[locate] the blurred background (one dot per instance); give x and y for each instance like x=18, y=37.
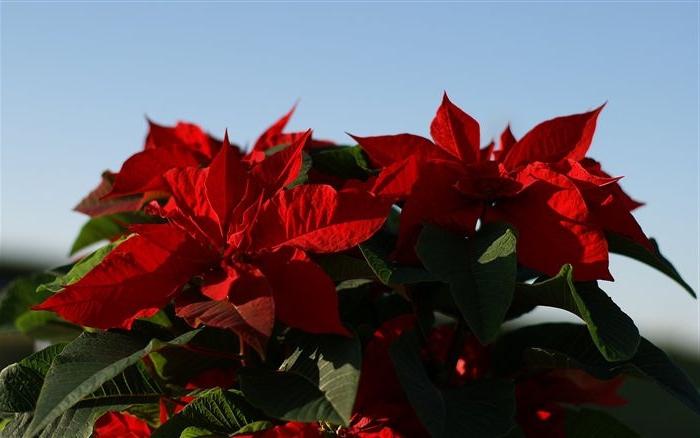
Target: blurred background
x=78, y=79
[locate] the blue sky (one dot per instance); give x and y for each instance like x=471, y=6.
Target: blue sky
x=78, y=78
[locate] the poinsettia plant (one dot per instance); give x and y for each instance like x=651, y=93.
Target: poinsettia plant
x=307, y=289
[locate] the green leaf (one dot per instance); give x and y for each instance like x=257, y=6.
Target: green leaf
x=216, y=410
x=563, y=345
x=612, y=331
x=347, y=162
x=20, y=383
x=199, y=432
x=84, y=366
x=480, y=409
x=318, y=382
x=303, y=175
x=108, y=227
x=79, y=269
x=626, y=247
x=40, y=324
x=376, y=253
x=18, y=296
x=255, y=426
x=20, y=386
x=480, y=271
x=342, y=267
x=590, y=423
x=74, y=423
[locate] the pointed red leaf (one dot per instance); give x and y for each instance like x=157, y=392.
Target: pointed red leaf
x=270, y=137
x=318, y=218
x=385, y=150
x=506, y=142
x=225, y=184
x=305, y=297
x=189, y=205
x=555, y=227
x=281, y=168
x=143, y=171
x=186, y=135
x=93, y=205
x=555, y=140
x=241, y=301
x=135, y=280
x=456, y=131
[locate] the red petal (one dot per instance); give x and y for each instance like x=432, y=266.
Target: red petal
x=554, y=140
x=282, y=168
x=269, y=138
x=136, y=279
x=305, y=296
x=93, y=205
x=187, y=135
x=226, y=184
x=120, y=425
x=554, y=228
x=608, y=204
x=456, y=131
x=318, y=218
x=435, y=200
x=593, y=167
x=386, y=150
x=143, y=171
x=189, y=205
x=242, y=302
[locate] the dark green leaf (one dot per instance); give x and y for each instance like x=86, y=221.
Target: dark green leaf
x=78, y=270
x=347, y=162
x=46, y=325
x=20, y=386
x=87, y=365
x=481, y=272
x=216, y=410
x=318, y=382
x=621, y=245
x=21, y=382
x=303, y=175
x=480, y=409
x=613, y=332
x=590, y=423
x=376, y=252
x=341, y=267
x=18, y=296
x=563, y=345
x=108, y=227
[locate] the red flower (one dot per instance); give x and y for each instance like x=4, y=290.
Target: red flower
x=165, y=148
x=234, y=227
x=120, y=425
x=561, y=203
x=275, y=136
x=541, y=399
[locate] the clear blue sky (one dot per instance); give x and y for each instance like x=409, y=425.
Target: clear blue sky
x=77, y=79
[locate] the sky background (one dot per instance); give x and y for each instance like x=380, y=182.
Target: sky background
x=78, y=78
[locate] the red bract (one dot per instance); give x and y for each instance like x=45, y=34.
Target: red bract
x=120, y=425
x=246, y=239
x=165, y=148
x=275, y=136
x=561, y=203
